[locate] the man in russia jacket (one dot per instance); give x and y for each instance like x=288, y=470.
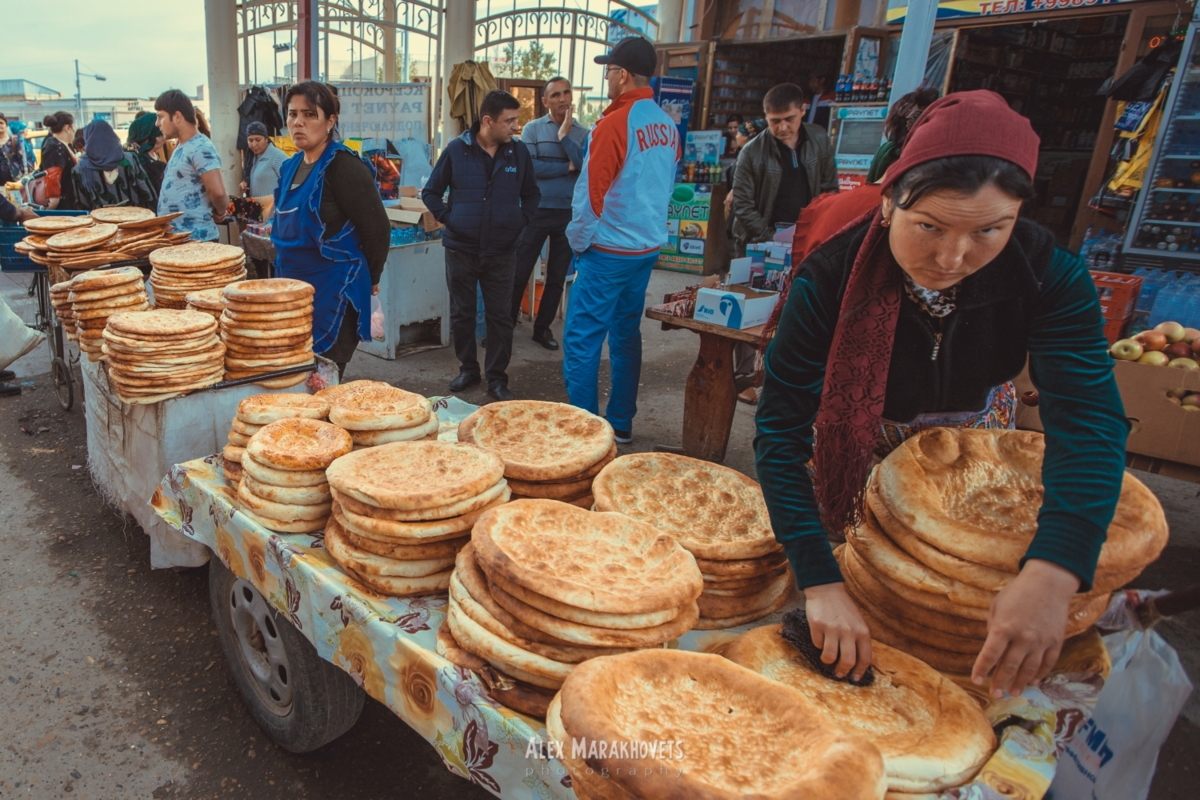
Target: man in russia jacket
x=619, y=224
x=493, y=196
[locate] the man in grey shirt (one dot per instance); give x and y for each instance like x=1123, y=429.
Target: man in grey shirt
x=555, y=142
x=268, y=159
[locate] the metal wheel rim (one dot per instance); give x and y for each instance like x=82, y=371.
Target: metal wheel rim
x=260, y=648
x=63, y=389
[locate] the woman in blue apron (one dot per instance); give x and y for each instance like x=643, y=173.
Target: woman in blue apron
x=330, y=229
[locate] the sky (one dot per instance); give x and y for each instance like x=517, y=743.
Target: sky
x=142, y=51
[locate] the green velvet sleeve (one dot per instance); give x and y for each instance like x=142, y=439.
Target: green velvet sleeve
x=1083, y=417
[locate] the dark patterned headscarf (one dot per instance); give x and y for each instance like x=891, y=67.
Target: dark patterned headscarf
x=143, y=134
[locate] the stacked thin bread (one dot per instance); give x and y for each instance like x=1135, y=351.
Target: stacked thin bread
x=283, y=485
x=932, y=734
x=258, y=410
x=719, y=516
x=192, y=267
x=382, y=414
x=108, y=236
x=156, y=355
x=60, y=298
x=208, y=301
x=546, y=586
x=332, y=393
x=701, y=726
x=97, y=295
x=551, y=451
x=402, y=511
x=950, y=513
x=267, y=326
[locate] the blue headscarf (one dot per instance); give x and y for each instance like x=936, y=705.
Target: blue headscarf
x=102, y=153
x=16, y=126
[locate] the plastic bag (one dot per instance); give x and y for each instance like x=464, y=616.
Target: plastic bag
x=1112, y=756
x=377, y=321
x=16, y=338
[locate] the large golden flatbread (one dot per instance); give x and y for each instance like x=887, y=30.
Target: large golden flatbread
x=542, y=441
x=402, y=587
x=283, y=526
x=719, y=607
x=713, y=511
x=82, y=238
x=587, y=783
x=94, y=280
x=931, y=733
x=195, y=254
x=299, y=444
x=401, y=533
x=266, y=307
x=720, y=623
x=501, y=654
x=740, y=734
x=741, y=568
x=598, y=562
x=410, y=434
x=269, y=290
x=583, y=616
x=51, y=225
x=149, y=324
x=266, y=316
x=410, y=476
x=121, y=214
x=261, y=409
x=517, y=695
x=366, y=563
x=296, y=495
x=375, y=408
x=332, y=393
x=976, y=494
x=446, y=548
x=493, y=495
x=278, y=477
x=281, y=511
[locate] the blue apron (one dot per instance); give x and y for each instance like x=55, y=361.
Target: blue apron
x=335, y=267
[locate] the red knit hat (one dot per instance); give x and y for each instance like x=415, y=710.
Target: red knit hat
x=978, y=123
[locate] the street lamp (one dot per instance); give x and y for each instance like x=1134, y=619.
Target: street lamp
x=79, y=94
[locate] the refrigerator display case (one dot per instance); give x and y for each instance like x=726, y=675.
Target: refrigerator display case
x=1165, y=229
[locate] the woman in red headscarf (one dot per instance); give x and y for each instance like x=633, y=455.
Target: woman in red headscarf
x=921, y=313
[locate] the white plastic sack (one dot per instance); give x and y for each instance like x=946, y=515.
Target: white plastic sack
x=1113, y=755
x=378, y=327
x=16, y=338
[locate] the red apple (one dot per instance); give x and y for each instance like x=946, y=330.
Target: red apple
x=1191, y=401
x=1190, y=335
x=1183, y=363
x=1175, y=400
x=1127, y=350
x=1151, y=340
x=1196, y=347
x=1178, y=350
x=1178, y=393
x=1172, y=330
x=1154, y=358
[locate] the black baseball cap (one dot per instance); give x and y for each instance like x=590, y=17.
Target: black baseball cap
x=634, y=54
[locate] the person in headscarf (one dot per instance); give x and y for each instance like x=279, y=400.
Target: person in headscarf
x=108, y=176
x=263, y=174
x=920, y=314
x=13, y=165
x=144, y=143
x=17, y=128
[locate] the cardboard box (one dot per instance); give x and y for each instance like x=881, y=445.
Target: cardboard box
x=737, y=307
x=418, y=213
x=1160, y=429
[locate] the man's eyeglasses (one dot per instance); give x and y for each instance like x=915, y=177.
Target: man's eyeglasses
x=611, y=69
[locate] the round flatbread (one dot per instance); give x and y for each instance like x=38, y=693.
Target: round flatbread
x=374, y=408
x=721, y=623
x=159, y=322
x=715, y=512
x=82, y=238
x=366, y=563
x=303, y=323
x=403, y=587
x=714, y=606
x=261, y=409
x=375, y=438
x=245, y=428
x=288, y=495
x=302, y=330
x=94, y=280
x=501, y=654
x=798, y=754
x=552, y=491
x=498, y=491
x=267, y=308
x=250, y=317
x=741, y=568
x=283, y=526
x=521, y=697
x=405, y=552
x=403, y=532
x=932, y=734
x=583, y=616
x=121, y=214
x=270, y=290
x=255, y=345
x=541, y=441
x=411, y=476
x=602, y=562
x=286, y=512
x=277, y=477
x=332, y=393
x=195, y=254
x=299, y=444
x=268, y=364
x=51, y=225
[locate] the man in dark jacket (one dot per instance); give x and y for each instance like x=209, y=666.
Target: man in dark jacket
x=493, y=196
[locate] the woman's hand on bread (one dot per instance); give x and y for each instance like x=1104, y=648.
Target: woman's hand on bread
x=838, y=629
x=1026, y=624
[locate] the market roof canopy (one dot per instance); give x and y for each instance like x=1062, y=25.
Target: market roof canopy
x=953, y=9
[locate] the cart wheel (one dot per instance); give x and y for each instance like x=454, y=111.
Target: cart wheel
x=64, y=384
x=299, y=700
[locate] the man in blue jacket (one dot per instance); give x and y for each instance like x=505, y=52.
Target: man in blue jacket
x=555, y=143
x=493, y=196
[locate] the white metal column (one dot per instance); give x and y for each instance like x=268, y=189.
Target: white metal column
x=458, y=45
x=220, y=31
x=915, y=36
x=670, y=20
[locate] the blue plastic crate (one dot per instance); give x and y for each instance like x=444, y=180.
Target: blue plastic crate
x=13, y=232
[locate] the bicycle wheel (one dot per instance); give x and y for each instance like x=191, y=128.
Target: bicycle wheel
x=64, y=384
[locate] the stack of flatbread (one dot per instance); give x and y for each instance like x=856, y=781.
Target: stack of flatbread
x=699, y=725
x=97, y=295
x=192, y=267
x=332, y=393
x=283, y=486
x=950, y=514
x=60, y=298
x=258, y=410
x=209, y=301
x=267, y=326
x=156, y=355
x=719, y=516
x=551, y=451
x=382, y=414
x=403, y=510
x=931, y=733
x=107, y=236
x=545, y=586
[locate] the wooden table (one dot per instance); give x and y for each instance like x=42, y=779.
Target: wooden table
x=710, y=396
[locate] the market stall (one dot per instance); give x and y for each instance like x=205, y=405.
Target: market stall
x=390, y=646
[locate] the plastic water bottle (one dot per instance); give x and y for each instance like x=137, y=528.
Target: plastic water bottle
x=1153, y=281
x=1190, y=317
x=1164, y=303
x=1181, y=301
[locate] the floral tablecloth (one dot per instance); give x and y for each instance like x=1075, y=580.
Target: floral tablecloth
x=388, y=646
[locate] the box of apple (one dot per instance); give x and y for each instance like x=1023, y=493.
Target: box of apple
x=1169, y=344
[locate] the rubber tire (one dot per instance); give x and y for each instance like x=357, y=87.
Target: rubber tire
x=326, y=702
x=64, y=383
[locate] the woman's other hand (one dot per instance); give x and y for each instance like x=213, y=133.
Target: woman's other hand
x=375, y=290
x=838, y=629
x=1025, y=628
